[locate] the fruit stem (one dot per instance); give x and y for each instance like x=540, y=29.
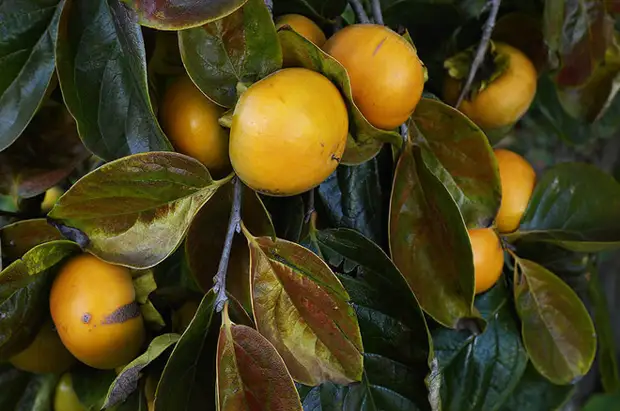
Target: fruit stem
x=481, y=51
x=376, y=12
x=359, y=11
x=233, y=226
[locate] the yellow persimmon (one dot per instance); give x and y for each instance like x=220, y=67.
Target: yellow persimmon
x=65, y=398
x=488, y=257
x=518, y=180
x=387, y=77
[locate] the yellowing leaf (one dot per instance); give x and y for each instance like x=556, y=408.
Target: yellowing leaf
x=301, y=307
x=250, y=373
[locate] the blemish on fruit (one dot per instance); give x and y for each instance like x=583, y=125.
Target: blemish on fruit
x=379, y=46
x=334, y=157
x=122, y=314
x=86, y=318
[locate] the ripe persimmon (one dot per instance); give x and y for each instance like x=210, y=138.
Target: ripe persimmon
x=65, y=398
x=488, y=257
x=518, y=179
x=93, y=306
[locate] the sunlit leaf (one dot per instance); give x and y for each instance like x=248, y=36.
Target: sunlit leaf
x=575, y=206
x=102, y=73
x=135, y=211
x=127, y=380
x=181, y=14
x=557, y=330
x=28, y=37
x=240, y=48
x=425, y=227
x=250, y=373
x=481, y=370
x=304, y=311
x=187, y=382
x=396, y=340
x=463, y=160
x=364, y=140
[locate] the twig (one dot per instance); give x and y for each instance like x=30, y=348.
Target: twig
x=481, y=51
x=269, y=4
x=309, y=206
x=233, y=226
x=376, y=12
x=359, y=11
x=404, y=132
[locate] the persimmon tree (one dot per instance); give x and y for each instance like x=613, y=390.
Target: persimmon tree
x=262, y=284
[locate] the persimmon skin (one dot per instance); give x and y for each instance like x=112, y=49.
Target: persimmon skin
x=488, y=257
x=65, y=398
x=518, y=180
x=190, y=121
x=304, y=26
x=387, y=77
x=288, y=132
x=506, y=99
x=46, y=353
x=93, y=306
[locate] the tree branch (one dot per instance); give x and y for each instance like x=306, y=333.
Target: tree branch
x=269, y=4
x=404, y=132
x=376, y=12
x=233, y=226
x=359, y=11
x=487, y=30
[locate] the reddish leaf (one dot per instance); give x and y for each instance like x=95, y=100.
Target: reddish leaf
x=250, y=374
x=181, y=14
x=19, y=238
x=301, y=307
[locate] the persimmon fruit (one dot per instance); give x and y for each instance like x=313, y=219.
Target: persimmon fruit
x=65, y=398
x=518, y=179
x=488, y=257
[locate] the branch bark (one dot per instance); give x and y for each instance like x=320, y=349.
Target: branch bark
x=359, y=11
x=233, y=226
x=487, y=30
x=376, y=12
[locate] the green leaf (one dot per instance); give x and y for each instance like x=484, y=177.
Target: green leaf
x=174, y=279
x=205, y=241
x=91, y=386
x=127, y=380
x=47, y=153
x=187, y=381
x=425, y=227
x=102, y=73
x=325, y=397
x=136, y=210
x=365, y=140
x=20, y=237
x=575, y=206
x=481, y=370
x=250, y=372
x=24, y=292
x=463, y=160
x=603, y=402
x=240, y=48
x=396, y=340
x=29, y=34
x=13, y=382
x=303, y=310
x=557, y=330
x=535, y=393
x=323, y=11
x=577, y=33
x=181, y=14
x=38, y=394
x=357, y=197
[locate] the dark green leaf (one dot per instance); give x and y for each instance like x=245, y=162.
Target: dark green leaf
x=603, y=402
x=91, y=386
x=575, y=206
x=557, y=330
x=481, y=370
x=364, y=140
x=394, y=334
x=205, y=241
x=102, y=73
x=535, y=393
x=24, y=292
x=240, y=48
x=39, y=393
x=48, y=151
x=27, y=42
x=181, y=14
x=577, y=33
x=288, y=214
x=357, y=197
x=20, y=237
x=127, y=380
x=320, y=10
x=425, y=227
x=13, y=382
x=174, y=279
x=325, y=397
x=136, y=210
x=463, y=160
x=187, y=382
